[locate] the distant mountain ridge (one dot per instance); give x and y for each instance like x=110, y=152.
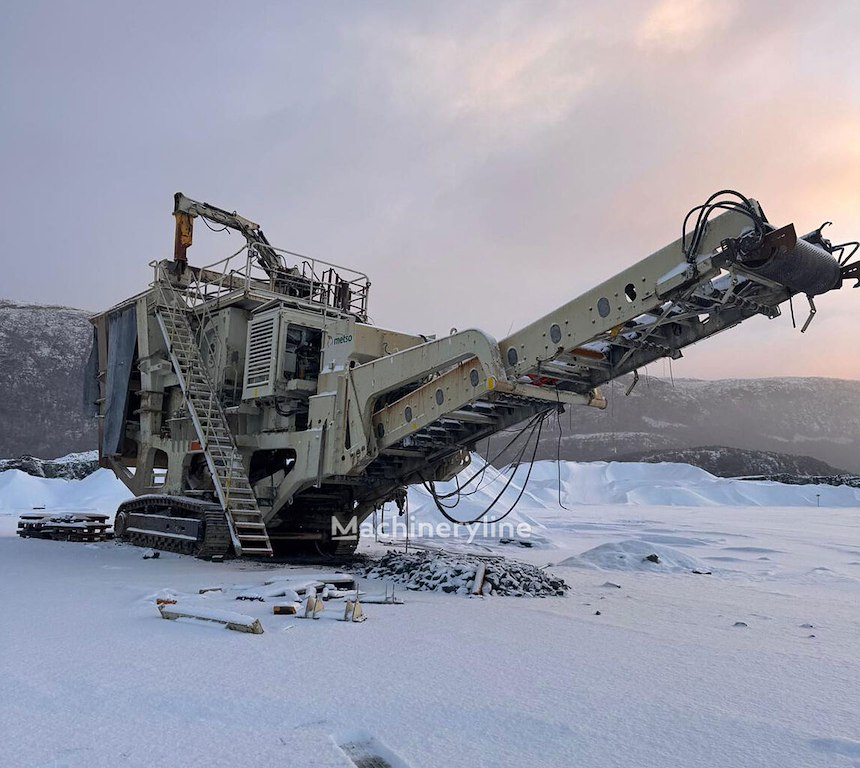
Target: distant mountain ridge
x=43, y=350
x=814, y=417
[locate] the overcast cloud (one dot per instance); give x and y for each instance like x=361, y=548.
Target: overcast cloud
x=482, y=162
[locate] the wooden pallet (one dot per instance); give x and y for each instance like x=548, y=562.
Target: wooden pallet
x=65, y=526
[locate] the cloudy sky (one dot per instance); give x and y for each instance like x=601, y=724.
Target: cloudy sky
x=482, y=162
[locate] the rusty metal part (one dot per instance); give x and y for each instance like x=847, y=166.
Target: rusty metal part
x=184, y=236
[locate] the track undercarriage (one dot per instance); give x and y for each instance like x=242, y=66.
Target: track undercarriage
x=190, y=526
x=174, y=524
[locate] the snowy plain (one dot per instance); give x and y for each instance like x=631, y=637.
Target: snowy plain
x=753, y=661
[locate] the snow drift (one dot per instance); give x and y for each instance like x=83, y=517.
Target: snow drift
x=100, y=491
x=637, y=555
x=611, y=483
x=594, y=483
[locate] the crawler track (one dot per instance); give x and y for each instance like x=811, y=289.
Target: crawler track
x=198, y=528
x=174, y=524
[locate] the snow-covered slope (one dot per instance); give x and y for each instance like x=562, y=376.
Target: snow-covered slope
x=612, y=483
x=100, y=492
x=590, y=484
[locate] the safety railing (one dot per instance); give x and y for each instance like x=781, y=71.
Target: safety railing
x=313, y=283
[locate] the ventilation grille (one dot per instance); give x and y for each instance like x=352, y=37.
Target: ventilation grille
x=260, y=356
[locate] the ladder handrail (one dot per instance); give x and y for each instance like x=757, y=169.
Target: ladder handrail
x=207, y=413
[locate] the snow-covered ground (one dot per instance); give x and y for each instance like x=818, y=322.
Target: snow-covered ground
x=753, y=661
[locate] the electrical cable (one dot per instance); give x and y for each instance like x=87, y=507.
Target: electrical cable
x=705, y=210
x=489, y=460
x=704, y=216
x=528, y=475
x=479, y=474
x=558, y=448
x=223, y=229
x=430, y=487
x=842, y=259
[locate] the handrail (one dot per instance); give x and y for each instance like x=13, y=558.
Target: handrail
x=322, y=283
x=313, y=282
x=201, y=310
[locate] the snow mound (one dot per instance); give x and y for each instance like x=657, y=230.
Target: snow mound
x=635, y=555
x=596, y=483
x=100, y=491
x=668, y=484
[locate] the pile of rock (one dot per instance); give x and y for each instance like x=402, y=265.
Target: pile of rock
x=465, y=574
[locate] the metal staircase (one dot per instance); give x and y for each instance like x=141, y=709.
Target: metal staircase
x=247, y=529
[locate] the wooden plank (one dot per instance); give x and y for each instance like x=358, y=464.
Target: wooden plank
x=235, y=621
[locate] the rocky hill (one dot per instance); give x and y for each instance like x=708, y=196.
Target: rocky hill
x=738, y=462
x=813, y=417
x=43, y=351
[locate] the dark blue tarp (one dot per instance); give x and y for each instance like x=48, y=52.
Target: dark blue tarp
x=122, y=339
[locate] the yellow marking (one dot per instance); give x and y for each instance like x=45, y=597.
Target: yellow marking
x=491, y=383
